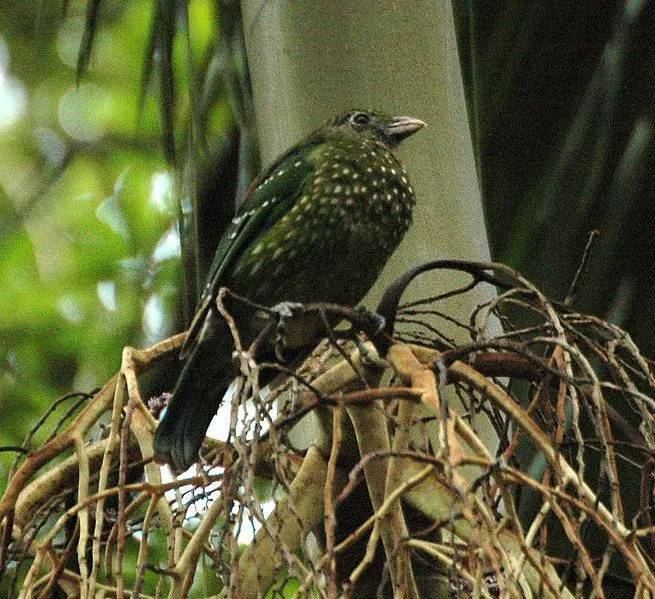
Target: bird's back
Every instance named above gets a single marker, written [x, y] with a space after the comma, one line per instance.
[318, 226]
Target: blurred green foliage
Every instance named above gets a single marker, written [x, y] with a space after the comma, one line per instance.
[89, 251]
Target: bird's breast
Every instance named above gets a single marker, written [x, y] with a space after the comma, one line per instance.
[360, 184]
[333, 242]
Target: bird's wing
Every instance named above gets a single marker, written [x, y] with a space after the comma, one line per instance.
[271, 196]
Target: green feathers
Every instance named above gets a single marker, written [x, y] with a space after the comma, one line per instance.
[318, 226]
[340, 194]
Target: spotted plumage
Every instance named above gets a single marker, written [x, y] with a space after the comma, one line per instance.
[319, 225]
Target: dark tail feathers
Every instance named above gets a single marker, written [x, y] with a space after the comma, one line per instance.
[198, 394]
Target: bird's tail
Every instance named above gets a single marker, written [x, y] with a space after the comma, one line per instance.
[202, 384]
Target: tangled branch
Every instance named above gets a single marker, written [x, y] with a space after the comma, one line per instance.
[492, 465]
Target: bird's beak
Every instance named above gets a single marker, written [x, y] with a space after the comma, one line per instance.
[400, 127]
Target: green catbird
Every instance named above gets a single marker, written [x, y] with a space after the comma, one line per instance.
[317, 226]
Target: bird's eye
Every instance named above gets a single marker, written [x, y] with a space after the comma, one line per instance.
[360, 118]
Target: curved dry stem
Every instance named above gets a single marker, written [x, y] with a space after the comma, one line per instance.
[449, 476]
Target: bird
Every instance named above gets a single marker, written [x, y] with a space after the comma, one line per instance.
[316, 226]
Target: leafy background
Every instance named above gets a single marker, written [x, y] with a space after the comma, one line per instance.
[90, 255]
[560, 105]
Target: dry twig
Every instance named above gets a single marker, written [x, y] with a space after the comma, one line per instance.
[77, 508]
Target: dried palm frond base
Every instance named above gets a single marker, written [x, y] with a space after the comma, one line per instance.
[395, 462]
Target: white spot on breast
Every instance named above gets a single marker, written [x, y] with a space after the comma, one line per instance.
[298, 163]
[337, 189]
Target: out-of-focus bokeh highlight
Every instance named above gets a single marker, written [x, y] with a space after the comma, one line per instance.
[89, 249]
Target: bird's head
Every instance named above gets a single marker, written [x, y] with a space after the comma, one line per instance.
[390, 130]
